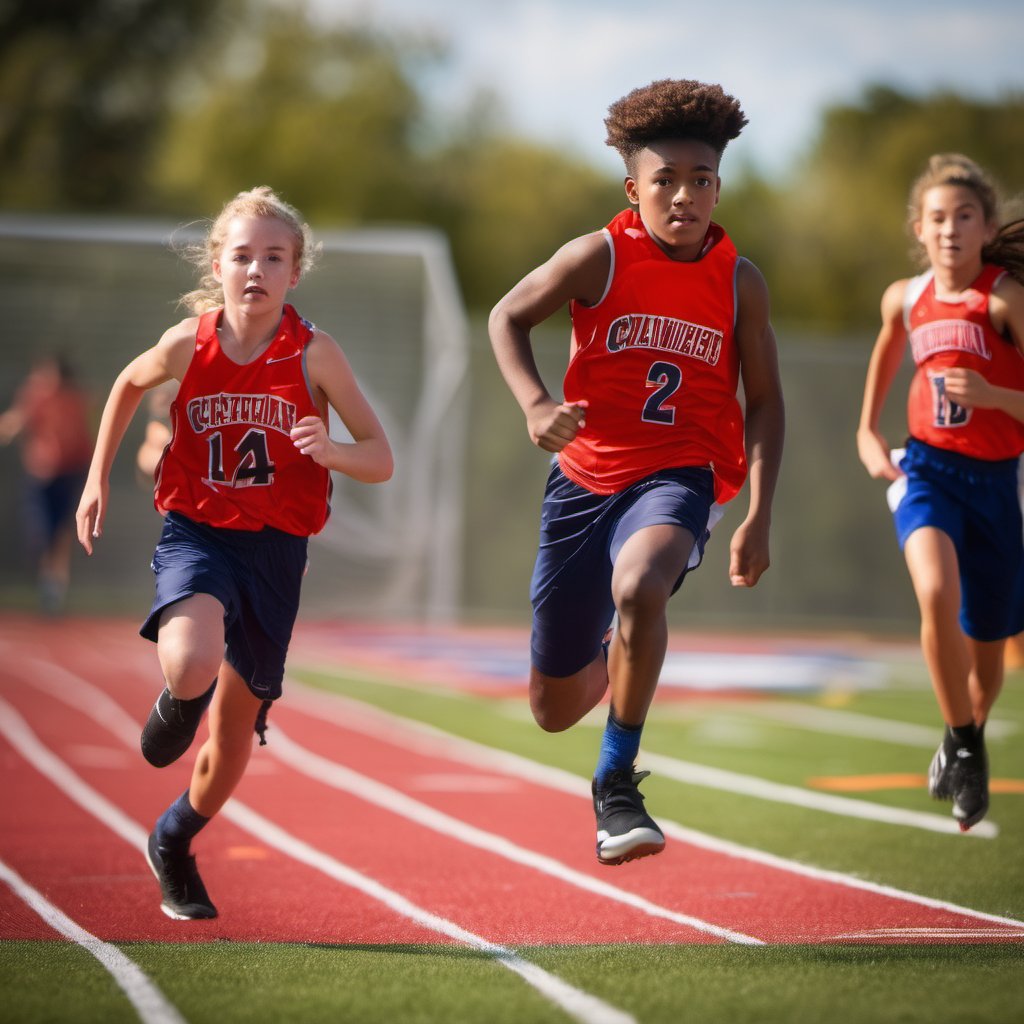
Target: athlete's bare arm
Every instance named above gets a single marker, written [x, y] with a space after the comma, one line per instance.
[578, 271]
[885, 361]
[764, 419]
[168, 358]
[367, 457]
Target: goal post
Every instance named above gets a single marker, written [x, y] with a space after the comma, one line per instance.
[102, 290]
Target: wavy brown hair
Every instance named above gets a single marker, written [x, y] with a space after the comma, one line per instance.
[1007, 248]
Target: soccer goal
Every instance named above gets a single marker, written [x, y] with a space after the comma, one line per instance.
[102, 290]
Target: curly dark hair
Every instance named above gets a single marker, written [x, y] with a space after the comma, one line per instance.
[673, 109]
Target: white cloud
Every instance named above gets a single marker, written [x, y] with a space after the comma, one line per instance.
[557, 64]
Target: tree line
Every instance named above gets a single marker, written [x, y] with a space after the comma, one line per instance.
[167, 107]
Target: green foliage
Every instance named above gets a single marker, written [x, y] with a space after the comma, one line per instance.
[512, 204]
[171, 106]
[327, 117]
[83, 95]
[848, 234]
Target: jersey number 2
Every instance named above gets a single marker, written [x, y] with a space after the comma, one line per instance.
[253, 469]
[667, 378]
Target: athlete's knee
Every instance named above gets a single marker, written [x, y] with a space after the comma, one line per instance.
[188, 674]
[640, 591]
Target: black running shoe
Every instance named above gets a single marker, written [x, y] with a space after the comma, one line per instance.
[959, 772]
[625, 831]
[172, 726]
[184, 895]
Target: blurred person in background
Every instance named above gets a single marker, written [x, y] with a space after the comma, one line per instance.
[50, 418]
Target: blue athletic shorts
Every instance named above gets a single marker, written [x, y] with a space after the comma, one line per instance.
[976, 504]
[256, 576]
[581, 534]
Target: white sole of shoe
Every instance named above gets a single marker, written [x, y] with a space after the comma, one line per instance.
[638, 842]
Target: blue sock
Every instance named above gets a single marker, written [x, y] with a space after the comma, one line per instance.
[619, 747]
[179, 823]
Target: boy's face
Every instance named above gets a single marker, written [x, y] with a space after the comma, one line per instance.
[676, 185]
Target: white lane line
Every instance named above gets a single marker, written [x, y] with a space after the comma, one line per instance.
[409, 734]
[795, 796]
[683, 771]
[938, 934]
[362, 787]
[833, 722]
[148, 1000]
[25, 741]
[580, 1005]
[724, 780]
[340, 777]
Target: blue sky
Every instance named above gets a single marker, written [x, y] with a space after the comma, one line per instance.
[557, 64]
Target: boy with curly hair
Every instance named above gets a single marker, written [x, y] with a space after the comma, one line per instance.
[650, 441]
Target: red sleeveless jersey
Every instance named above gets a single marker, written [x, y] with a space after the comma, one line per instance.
[656, 361]
[944, 334]
[230, 462]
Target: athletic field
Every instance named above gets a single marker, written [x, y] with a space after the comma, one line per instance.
[410, 847]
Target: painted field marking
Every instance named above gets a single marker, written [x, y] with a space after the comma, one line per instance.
[917, 934]
[380, 795]
[897, 780]
[580, 1005]
[148, 1000]
[411, 734]
[752, 786]
[844, 723]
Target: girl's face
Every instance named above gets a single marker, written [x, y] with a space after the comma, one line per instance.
[257, 264]
[952, 227]
[675, 183]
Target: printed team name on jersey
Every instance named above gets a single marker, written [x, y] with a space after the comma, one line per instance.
[642, 330]
[209, 412]
[948, 336]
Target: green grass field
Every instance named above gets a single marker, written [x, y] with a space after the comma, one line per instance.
[228, 983]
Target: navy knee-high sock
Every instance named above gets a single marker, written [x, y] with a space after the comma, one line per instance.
[177, 826]
[619, 747]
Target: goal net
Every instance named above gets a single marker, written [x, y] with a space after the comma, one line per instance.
[101, 291]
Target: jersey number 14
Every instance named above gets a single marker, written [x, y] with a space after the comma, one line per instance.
[252, 468]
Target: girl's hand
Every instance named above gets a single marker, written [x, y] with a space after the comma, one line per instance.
[310, 436]
[91, 510]
[874, 453]
[968, 388]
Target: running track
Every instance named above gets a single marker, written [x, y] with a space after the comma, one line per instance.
[355, 827]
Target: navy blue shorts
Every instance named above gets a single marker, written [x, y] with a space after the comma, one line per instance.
[976, 504]
[581, 534]
[256, 576]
